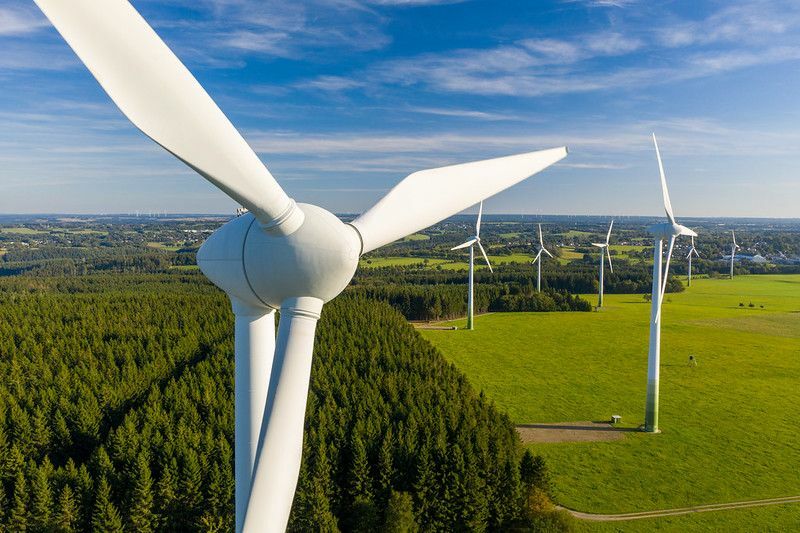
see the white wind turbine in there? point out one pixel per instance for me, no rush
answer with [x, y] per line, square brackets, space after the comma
[692, 251]
[669, 230]
[538, 258]
[280, 255]
[604, 251]
[476, 239]
[734, 247]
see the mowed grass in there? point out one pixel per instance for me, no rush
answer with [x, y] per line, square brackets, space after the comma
[728, 425]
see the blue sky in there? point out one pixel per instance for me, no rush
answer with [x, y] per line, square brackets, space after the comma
[343, 98]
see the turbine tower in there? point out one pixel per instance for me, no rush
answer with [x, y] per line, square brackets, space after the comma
[669, 230]
[476, 239]
[280, 255]
[537, 258]
[734, 247]
[692, 251]
[604, 251]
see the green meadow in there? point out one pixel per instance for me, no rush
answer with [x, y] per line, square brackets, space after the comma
[729, 425]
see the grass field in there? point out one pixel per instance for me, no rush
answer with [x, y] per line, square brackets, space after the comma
[162, 246]
[728, 425]
[375, 262]
[22, 231]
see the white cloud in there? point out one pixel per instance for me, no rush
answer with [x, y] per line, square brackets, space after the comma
[20, 21]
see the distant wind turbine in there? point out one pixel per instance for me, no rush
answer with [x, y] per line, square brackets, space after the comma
[604, 251]
[692, 251]
[734, 247]
[537, 258]
[669, 230]
[476, 239]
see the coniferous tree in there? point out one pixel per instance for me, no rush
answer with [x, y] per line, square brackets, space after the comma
[360, 482]
[385, 469]
[400, 514]
[67, 515]
[41, 498]
[105, 516]
[18, 519]
[141, 515]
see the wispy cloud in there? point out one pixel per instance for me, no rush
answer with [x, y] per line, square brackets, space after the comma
[18, 21]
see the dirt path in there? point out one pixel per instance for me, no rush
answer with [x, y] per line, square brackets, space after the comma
[571, 432]
[682, 511]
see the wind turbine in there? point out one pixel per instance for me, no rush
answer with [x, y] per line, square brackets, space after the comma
[537, 258]
[476, 239]
[669, 230]
[692, 251]
[604, 251]
[734, 247]
[280, 255]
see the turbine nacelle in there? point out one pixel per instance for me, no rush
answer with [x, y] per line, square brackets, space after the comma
[263, 269]
[667, 229]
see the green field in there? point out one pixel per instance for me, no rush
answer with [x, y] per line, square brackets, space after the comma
[417, 237]
[22, 231]
[163, 246]
[728, 425]
[375, 262]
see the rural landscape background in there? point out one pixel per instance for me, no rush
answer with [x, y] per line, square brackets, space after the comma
[116, 407]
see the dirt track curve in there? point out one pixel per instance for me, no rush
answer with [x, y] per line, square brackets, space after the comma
[682, 511]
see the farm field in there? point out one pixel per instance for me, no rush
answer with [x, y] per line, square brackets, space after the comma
[377, 262]
[728, 425]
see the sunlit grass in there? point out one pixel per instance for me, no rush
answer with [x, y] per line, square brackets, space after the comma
[729, 424]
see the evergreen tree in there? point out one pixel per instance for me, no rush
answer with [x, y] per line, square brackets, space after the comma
[533, 472]
[385, 469]
[67, 514]
[400, 514]
[18, 519]
[141, 516]
[105, 516]
[360, 482]
[191, 490]
[42, 498]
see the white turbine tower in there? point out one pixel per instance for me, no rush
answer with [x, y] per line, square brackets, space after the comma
[669, 230]
[734, 247]
[476, 239]
[538, 258]
[280, 255]
[692, 251]
[604, 251]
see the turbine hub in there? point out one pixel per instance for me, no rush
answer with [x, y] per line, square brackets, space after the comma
[263, 268]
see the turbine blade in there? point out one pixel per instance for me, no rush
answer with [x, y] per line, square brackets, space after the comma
[280, 445]
[464, 245]
[162, 98]
[545, 251]
[599, 245]
[485, 257]
[664, 191]
[537, 257]
[695, 252]
[608, 255]
[478, 223]
[254, 347]
[428, 196]
[541, 241]
[608, 236]
[663, 287]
